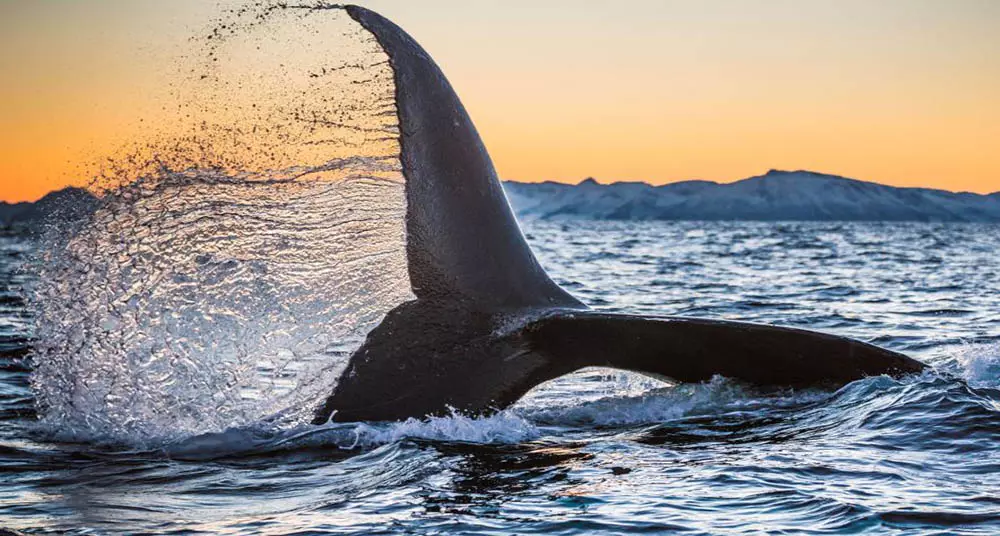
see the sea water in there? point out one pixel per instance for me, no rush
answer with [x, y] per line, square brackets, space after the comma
[598, 451]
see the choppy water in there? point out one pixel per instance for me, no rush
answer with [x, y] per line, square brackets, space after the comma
[600, 451]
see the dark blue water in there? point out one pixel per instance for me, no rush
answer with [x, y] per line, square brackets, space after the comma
[600, 451]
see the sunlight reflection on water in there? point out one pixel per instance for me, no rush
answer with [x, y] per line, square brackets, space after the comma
[603, 451]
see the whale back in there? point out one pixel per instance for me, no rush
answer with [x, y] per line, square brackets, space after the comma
[463, 241]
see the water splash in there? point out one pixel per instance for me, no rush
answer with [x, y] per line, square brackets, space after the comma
[659, 405]
[528, 420]
[980, 365]
[242, 250]
[502, 428]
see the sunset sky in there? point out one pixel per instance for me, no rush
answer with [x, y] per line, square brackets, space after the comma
[902, 92]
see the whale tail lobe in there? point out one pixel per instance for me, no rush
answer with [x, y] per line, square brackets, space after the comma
[695, 350]
[430, 358]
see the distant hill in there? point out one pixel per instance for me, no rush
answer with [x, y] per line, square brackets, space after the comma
[67, 204]
[775, 196]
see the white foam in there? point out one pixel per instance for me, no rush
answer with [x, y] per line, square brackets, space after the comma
[980, 364]
[503, 427]
[524, 422]
[720, 395]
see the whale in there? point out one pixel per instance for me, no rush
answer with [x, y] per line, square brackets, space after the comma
[486, 323]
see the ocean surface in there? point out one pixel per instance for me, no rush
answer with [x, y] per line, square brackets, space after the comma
[598, 451]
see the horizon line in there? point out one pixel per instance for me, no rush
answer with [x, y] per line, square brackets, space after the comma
[773, 171]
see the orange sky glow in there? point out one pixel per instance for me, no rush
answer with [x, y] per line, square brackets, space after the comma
[902, 92]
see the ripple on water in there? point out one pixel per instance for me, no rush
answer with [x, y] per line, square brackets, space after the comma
[602, 451]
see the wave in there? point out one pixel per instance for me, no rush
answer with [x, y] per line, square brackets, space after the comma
[922, 413]
[980, 365]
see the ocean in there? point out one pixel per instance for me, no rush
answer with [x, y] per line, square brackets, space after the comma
[599, 451]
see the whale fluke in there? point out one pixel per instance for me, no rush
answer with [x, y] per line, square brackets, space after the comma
[463, 241]
[488, 324]
[431, 358]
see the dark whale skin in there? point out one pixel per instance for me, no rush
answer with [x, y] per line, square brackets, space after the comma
[488, 324]
[432, 359]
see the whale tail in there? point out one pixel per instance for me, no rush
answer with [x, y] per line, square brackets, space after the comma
[442, 357]
[695, 350]
[487, 323]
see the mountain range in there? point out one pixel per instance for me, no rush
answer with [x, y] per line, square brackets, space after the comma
[774, 196]
[65, 204]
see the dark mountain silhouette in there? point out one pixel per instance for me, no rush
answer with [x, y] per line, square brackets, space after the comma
[61, 205]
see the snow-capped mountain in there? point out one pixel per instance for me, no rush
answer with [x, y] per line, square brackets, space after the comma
[777, 195]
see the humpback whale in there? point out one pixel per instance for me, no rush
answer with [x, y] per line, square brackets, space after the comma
[487, 324]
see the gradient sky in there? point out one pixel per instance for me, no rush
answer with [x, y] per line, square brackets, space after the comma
[903, 92]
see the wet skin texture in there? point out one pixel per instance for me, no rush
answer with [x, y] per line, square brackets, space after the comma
[489, 324]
